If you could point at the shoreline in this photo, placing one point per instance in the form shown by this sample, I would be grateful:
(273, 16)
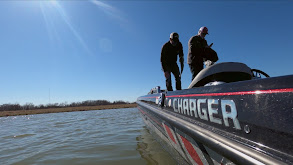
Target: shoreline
(66, 109)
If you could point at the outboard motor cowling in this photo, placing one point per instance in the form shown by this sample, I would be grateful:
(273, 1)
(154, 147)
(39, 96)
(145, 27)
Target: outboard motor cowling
(222, 72)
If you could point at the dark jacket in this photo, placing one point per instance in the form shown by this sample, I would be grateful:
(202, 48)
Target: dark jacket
(169, 55)
(196, 47)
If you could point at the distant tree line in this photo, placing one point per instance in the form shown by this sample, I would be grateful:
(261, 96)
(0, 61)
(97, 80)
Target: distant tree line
(31, 106)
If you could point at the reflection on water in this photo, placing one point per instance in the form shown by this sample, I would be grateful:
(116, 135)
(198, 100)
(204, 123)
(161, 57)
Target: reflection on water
(89, 137)
(151, 150)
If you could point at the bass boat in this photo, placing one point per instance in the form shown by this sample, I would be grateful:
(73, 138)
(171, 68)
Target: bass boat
(230, 114)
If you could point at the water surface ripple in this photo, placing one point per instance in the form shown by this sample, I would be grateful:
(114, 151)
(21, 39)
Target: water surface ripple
(115, 136)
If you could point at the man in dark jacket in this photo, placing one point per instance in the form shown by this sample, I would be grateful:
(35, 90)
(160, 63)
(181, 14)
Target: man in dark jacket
(169, 53)
(199, 51)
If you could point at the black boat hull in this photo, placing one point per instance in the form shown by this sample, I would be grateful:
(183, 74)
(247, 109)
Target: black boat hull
(246, 122)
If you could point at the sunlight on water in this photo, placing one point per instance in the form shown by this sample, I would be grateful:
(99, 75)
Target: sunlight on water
(89, 137)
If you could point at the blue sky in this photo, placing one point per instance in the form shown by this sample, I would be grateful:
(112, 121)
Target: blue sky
(69, 51)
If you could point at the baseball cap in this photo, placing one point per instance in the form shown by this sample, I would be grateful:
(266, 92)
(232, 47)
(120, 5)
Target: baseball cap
(174, 35)
(204, 30)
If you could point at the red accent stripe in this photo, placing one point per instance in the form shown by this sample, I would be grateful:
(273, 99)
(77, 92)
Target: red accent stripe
(191, 151)
(238, 93)
(170, 134)
(234, 93)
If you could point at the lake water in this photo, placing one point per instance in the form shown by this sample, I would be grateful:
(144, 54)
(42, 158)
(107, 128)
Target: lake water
(109, 137)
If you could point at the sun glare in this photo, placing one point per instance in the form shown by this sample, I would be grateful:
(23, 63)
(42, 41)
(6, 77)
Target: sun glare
(110, 10)
(52, 8)
(49, 3)
(53, 2)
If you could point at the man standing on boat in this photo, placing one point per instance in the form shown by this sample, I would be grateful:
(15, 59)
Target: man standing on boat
(169, 53)
(199, 51)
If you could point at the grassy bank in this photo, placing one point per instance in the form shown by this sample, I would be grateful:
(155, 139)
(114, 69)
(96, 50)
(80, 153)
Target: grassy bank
(67, 109)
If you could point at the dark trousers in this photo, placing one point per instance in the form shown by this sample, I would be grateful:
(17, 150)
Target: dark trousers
(175, 70)
(195, 69)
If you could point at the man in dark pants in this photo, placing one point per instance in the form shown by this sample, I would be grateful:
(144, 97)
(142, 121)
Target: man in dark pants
(199, 51)
(169, 53)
